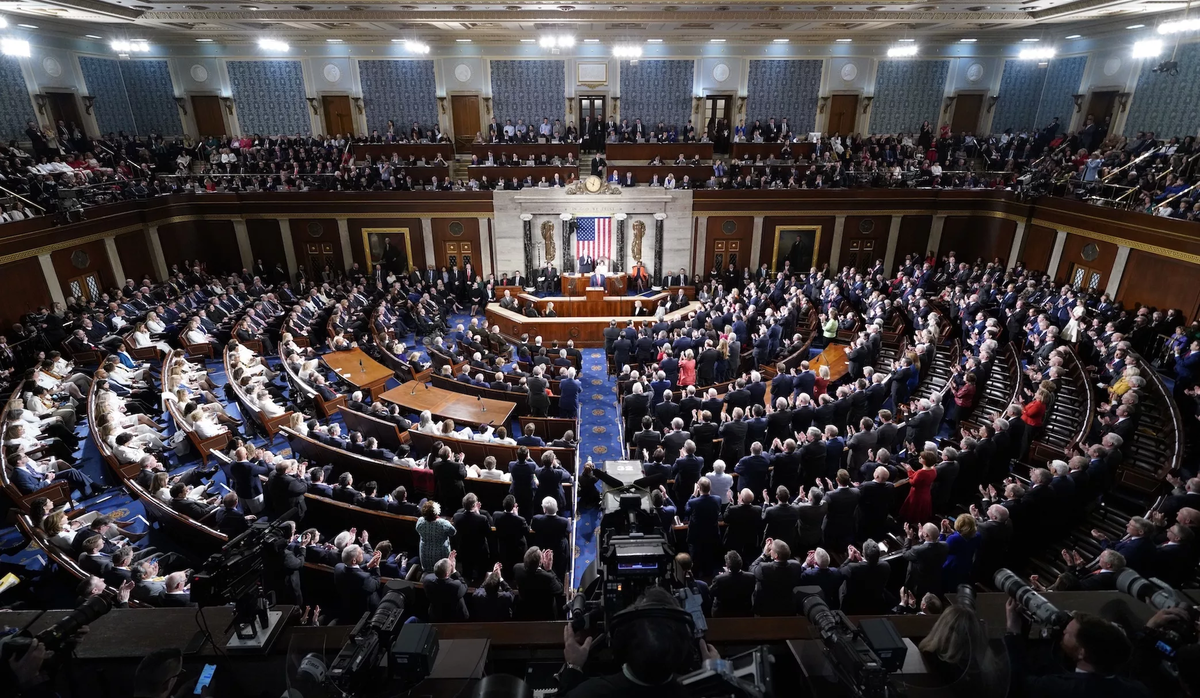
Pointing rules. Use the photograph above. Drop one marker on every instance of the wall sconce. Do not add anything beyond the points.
(821, 105)
(41, 101)
(228, 102)
(358, 104)
(312, 104)
(88, 101)
(1123, 100)
(867, 103)
(991, 102)
(1078, 99)
(181, 102)
(442, 104)
(947, 103)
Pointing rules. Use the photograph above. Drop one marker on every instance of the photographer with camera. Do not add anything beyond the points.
(1095, 648)
(652, 639)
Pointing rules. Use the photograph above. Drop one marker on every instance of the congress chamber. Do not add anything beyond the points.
(587, 350)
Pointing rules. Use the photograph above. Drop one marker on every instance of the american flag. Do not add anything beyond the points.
(593, 237)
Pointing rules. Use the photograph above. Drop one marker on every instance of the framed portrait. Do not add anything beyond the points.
(797, 245)
(390, 247)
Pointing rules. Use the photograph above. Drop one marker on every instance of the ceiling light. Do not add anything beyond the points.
(528, 41)
(632, 51)
(416, 47)
(654, 41)
(906, 41)
(1075, 36)
(557, 41)
(1030, 41)
(1183, 25)
(843, 41)
(333, 41)
(1147, 49)
(903, 51)
(14, 47)
(968, 41)
(780, 41)
(273, 45)
(1135, 26)
(716, 41)
(3, 23)
(28, 26)
(591, 41)
(463, 41)
(131, 46)
(86, 36)
(1039, 54)
(204, 41)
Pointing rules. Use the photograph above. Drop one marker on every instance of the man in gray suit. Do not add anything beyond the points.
(924, 560)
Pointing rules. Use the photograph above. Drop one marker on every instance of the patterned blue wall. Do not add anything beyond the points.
(403, 91)
(104, 82)
(528, 90)
(1063, 79)
(1168, 106)
(15, 106)
(907, 93)
(151, 97)
(785, 89)
(656, 91)
(269, 97)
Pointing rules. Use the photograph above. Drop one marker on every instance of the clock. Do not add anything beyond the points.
(593, 184)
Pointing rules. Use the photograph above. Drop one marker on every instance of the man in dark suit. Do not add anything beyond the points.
(732, 591)
(248, 477)
(286, 491)
(744, 526)
(357, 584)
(924, 560)
(230, 519)
(540, 592)
(781, 519)
(686, 471)
(473, 527)
(840, 513)
(539, 402)
(776, 575)
(523, 471)
(866, 578)
(704, 511)
(550, 480)
(552, 532)
(445, 591)
(857, 356)
(874, 503)
(1137, 546)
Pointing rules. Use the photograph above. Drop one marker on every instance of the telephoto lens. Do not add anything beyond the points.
(1036, 605)
(1150, 591)
(966, 596)
(819, 613)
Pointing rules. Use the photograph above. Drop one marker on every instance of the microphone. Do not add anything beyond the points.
(482, 406)
(414, 389)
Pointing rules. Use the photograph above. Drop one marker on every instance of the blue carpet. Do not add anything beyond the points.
(600, 439)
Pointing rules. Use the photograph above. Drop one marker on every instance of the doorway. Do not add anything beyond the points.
(317, 256)
(843, 115)
(967, 108)
(338, 119)
(1101, 106)
(718, 120)
(464, 110)
(592, 133)
(65, 108)
(1084, 278)
(209, 119)
(86, 287)
(451, 253)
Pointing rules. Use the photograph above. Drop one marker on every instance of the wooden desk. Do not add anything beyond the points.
(423, 174)
(582, 320)
(359, 370)
(524, 150)
(645, 152)
(506, 174)
(752, 150)
(443, 404)
(576, 284)
(642, 174)
(429, 151)
(834, 357)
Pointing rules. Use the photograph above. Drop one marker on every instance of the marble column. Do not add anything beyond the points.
(289, 248)
(527, 232)
(697, 267)
(344, 236)
(114, 261)
(835, 248)
(156, 252)
(755, 245)
(485, 252)
(622, 253)
(427, 236)
(243, 243)
(56, 292)
(889, 257)
(568, 259)
(1060, 239)
(1118, 270)
(1018, 240)
(658, 247)
(935, 233)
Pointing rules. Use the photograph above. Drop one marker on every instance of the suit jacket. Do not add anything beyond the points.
(732, 594)
(774, 582)
(447, 598)
(841, 508)
(781, 522)
(357, 591)
(925, 567)
(865, 592)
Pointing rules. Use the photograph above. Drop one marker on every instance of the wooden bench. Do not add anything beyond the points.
(58, 491)
(551, 428)
(270, 425)
(310, 394)
(477, 451)
(386, 433)
(139, 353)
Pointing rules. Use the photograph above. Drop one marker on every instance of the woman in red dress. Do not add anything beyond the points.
(918, 507)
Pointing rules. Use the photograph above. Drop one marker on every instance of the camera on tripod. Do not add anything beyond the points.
(862, 657)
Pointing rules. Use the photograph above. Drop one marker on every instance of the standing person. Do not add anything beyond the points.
(918, 506)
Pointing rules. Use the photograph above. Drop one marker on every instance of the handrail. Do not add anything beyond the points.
(1129, 164)
(1180, 194)
(23, 199)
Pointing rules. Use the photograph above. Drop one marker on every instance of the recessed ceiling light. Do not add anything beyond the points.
(92, 36)
(463, 41)
(28, 26)
(1132, 26)
(333, 41)
(716, 41)
(906, 41)
(591, 41)
(528, 41)
(968, 41)
(843, 41)
(780, 41)
(1075, 36)
(252, 8)
(1030, 41)
(654, 41)
(204, 41)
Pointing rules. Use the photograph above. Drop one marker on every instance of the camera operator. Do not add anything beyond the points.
(26, 673)
(654, 651)
(1095, 648)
